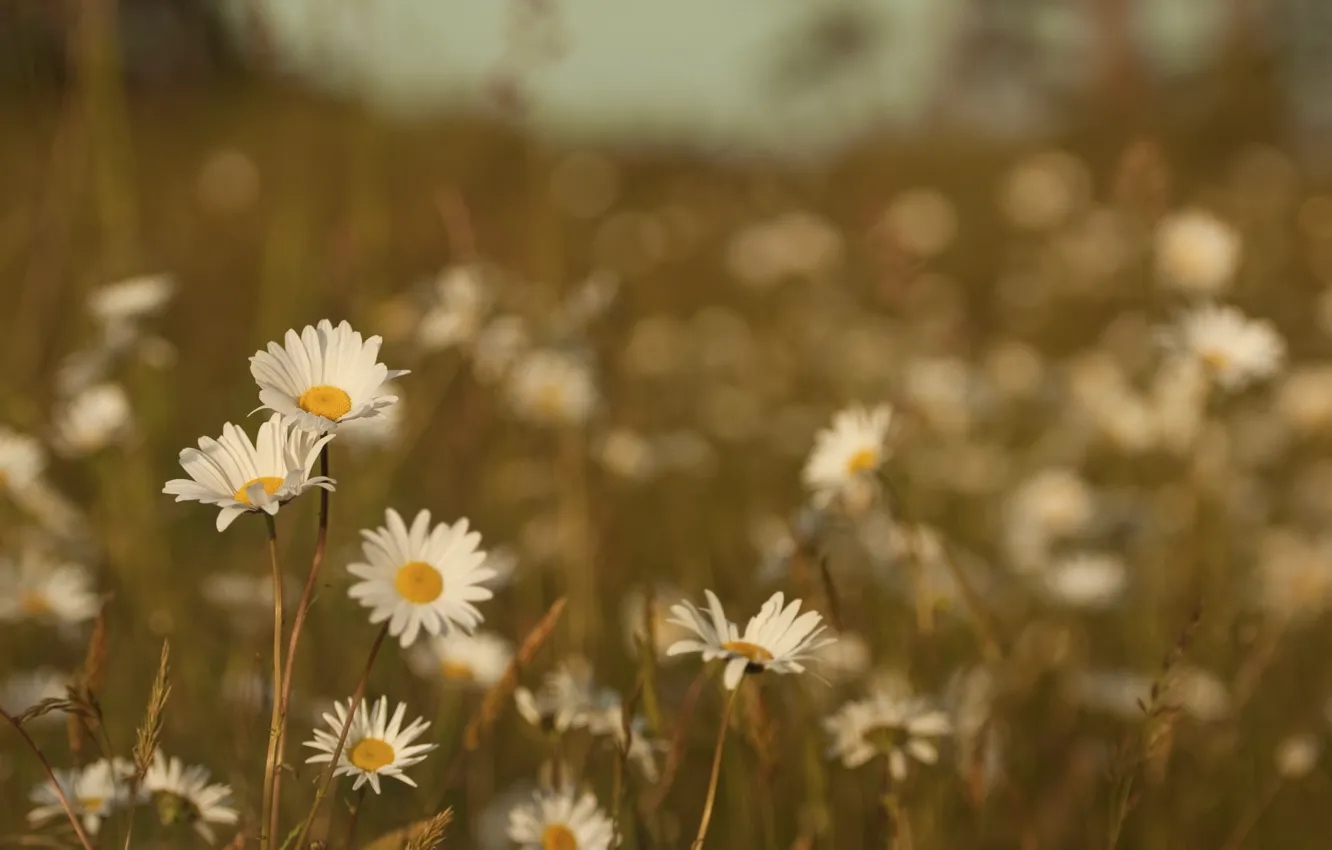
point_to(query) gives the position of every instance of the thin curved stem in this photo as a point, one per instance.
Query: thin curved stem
(50, 775)
(327, 776)
(298, 621)
(716, 768)
(274, 728)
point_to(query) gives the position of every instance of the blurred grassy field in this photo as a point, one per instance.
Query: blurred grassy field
(273, 210)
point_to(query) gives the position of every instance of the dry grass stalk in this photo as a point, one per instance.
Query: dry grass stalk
(676, 753)
(430, 833)
(1153, 740)
(619, 786)
(149, 734)
(87, 683)
(502, 691)
(50, 776)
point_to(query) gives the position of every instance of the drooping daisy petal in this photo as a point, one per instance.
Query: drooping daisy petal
(778, 638)
(239, 476)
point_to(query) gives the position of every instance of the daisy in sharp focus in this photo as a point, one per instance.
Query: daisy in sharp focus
(848, 453)
(22, 460)
(421, 577)
(184, 795)
(777, 638)
(38, 588)
(323, 376)
(377, 744)
(557, 820)
(242, 477)
(1232, 349)
(473, 661)
(94, 792)
(889, 723)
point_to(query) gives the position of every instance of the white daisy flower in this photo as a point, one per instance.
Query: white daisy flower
(848, 452)
(461, 300)
(1086, 580)
(888, 723)
(556, 820)
(375, 432)
(1294, 577)
(608, 721)
(240, 477)
(377, 745)
(21, 691)
(1196, 252)
(565, 699)
(1234, 349)
(131, 300)
(778, 638)
(499, 345)
(40, 589)
(93, 419)
(184, 795)
(323, 377)
(422, 577)
(94, 792)
(552, 388)
(475, 661)
(22, 460)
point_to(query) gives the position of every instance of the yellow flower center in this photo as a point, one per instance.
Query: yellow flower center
(418, 582)
(457, 671)
(323, 400)
(557, 836)
(550, 399)
(34, 603)
(92, 804)
(371, 754)
(1216, 358)
(271, 485)
(753, 652)
(862, 461)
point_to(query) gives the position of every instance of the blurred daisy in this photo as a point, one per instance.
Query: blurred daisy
(1294, 575)
(1297, 755)
(777, 638)
(476, 661)
(240, 477)
(498, 347)
(1196, 252)
(375, 432)
(608, 722)
(377, 744)
(21, 691)
(888, 723)
(555, 820)
(131, 300)
(94, 792)
(1234, 349)
(323, 377)
(846, 453)
(564, 701)
(459, 303)
(39, 589)
(184, 795)
(843, 659)
(552, 387)
(93, 419)
(22, 460)
(421, 577)
(1086, 580)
